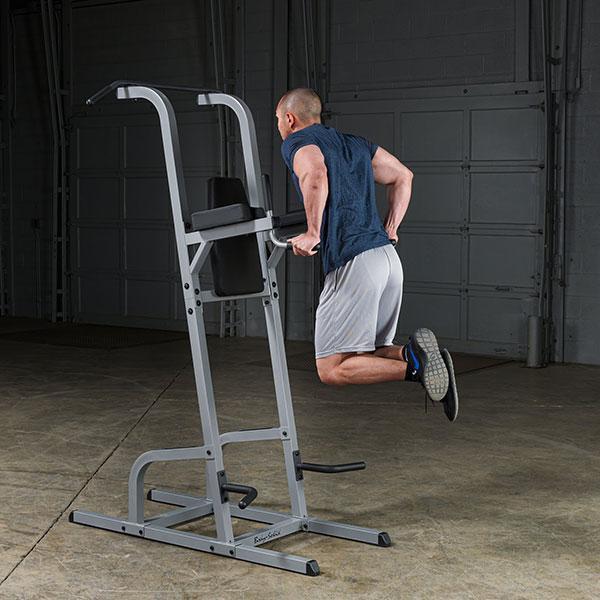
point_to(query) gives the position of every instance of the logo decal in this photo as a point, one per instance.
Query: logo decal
(259, 539)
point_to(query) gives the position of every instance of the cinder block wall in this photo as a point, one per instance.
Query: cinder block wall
(31, 176)
(582, 326)
(379, 44)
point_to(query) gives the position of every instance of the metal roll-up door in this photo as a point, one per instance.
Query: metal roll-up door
(471, 244)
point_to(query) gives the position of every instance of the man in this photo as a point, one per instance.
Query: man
(335, 174)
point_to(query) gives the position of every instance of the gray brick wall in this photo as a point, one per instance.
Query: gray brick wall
(380, 44)
(32, 180)
(582, 307)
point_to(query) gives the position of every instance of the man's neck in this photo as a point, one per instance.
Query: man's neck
(305, 125)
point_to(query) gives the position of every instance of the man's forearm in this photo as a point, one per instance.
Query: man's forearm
(314, 192)
(398, 199)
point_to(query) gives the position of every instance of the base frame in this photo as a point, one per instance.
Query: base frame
(245, 547)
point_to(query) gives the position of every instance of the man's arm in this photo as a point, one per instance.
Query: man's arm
(389, 171)
(309, 167)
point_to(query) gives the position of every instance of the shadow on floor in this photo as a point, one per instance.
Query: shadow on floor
(82, 335)
(105, 337)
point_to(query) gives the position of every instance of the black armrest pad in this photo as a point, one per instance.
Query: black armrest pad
(224, 215)
(294, 218)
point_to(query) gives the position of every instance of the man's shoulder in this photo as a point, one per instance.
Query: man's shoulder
(297, 140)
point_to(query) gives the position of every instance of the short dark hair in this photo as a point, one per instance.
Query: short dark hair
(303, 102)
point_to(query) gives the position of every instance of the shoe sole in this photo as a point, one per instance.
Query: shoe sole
(435, 373)
(450, 401)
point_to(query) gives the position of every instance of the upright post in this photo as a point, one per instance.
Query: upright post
(194, 310)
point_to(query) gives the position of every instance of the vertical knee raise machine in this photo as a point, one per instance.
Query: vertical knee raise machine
(240, 234)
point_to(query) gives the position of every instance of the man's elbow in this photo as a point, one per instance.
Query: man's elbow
(404, 176)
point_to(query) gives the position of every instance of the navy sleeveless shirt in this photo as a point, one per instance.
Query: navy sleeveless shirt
(351, 223)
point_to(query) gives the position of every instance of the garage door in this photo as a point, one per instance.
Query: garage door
(471, 244)
(123, 250)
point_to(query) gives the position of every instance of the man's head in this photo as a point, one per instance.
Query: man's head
(296, 110)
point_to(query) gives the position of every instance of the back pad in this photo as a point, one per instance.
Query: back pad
(235, 261)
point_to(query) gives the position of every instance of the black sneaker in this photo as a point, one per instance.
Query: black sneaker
(450, 400)
(425, 364)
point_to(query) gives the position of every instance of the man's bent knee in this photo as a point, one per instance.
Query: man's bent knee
(329, 377)
(328, 369)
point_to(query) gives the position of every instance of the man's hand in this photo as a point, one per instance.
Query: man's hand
(392, 234)
(304, 243)
(388, 170)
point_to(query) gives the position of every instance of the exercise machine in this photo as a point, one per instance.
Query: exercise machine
(242, 237)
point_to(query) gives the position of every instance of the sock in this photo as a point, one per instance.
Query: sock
(404, 357)
(411, 373)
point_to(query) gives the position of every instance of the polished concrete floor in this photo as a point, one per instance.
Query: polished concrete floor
(504, 503)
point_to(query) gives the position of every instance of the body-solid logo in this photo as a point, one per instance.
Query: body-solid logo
(258, 539)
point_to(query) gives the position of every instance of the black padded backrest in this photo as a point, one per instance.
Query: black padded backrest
(235, 261)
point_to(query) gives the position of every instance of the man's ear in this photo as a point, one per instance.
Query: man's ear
(291, 120)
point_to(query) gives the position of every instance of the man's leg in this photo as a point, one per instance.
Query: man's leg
(353, 368)
(392, 351)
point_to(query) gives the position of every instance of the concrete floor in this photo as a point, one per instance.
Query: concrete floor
(504, 503)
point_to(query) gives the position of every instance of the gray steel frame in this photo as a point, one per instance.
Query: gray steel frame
(247, 546)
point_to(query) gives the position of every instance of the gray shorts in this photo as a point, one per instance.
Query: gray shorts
(360, 304)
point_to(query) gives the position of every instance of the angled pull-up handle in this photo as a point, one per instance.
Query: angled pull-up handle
(249, 492)
(107, 89)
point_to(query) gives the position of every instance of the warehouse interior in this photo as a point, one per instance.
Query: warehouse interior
(495, 108)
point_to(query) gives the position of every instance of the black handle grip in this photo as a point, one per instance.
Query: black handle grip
(250, 493)
(107, 89)
(357, 466)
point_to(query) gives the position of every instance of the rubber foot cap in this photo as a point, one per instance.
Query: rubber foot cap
(384, 540)
(71, 519)
(312, 568)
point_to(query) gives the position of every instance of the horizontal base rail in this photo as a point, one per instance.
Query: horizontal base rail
(312, 525)
(194, 541)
